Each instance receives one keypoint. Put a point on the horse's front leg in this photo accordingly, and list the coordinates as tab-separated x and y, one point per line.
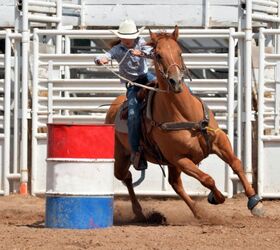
122	173
189	168
136	207
175	181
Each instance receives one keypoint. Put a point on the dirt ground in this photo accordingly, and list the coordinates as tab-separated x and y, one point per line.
227	226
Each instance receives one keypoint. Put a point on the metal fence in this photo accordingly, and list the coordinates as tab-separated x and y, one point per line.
9	126
268	118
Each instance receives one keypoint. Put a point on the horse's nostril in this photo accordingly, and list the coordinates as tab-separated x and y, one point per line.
172	81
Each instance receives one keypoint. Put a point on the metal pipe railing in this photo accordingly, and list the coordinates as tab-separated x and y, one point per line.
264	3
248	93
54	7
230	104
34	141
24	100
261	111
7	111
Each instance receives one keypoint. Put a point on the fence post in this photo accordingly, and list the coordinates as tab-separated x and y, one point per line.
248	94
24	99
230	119
261	110
7	112
34	108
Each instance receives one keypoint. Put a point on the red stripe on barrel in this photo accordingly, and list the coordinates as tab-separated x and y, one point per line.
81	141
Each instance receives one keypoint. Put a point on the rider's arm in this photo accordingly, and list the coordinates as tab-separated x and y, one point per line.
137	52
147	50
104	59
101	60
144	51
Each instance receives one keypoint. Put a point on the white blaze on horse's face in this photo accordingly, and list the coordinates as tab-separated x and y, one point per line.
169	60
173	65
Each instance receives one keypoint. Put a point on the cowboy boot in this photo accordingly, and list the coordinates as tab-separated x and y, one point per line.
138	161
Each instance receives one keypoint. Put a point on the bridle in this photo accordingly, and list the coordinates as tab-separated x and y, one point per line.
183	69
165	73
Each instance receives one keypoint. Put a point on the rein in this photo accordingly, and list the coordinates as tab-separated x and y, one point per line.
183	69
131	82
165	74
135	83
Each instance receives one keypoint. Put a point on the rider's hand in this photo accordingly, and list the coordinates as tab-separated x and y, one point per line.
136	52
101	61
97	62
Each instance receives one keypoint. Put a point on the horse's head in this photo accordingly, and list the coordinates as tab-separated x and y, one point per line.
168	58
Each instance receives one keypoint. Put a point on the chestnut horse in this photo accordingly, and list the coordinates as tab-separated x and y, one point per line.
189	146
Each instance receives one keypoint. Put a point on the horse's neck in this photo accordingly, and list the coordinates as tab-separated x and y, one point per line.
177	107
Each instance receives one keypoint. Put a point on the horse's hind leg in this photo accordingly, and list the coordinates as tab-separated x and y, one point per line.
223	149
121	171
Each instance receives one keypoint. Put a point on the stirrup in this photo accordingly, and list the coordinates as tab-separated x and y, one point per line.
138	161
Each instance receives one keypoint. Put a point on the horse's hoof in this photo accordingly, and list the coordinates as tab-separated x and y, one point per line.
211	199
253	201
258	210
140	218
198	216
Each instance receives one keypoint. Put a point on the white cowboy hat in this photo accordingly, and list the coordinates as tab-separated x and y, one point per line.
128	30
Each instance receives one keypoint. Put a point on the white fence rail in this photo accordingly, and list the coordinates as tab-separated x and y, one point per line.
53	11
265	11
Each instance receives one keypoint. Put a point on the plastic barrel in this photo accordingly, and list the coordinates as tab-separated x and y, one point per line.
80	172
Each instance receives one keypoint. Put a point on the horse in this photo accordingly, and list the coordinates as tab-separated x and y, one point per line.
177	108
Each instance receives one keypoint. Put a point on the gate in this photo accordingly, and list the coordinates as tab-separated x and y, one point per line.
9	112
268	117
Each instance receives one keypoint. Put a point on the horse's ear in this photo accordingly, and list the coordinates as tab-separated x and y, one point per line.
175	33
152	36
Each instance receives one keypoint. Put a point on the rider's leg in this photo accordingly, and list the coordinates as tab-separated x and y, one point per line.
150	77
133	121
134	126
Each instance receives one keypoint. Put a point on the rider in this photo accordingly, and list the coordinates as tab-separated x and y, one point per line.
131	52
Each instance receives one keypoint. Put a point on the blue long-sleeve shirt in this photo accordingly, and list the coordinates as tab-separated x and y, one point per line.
130	67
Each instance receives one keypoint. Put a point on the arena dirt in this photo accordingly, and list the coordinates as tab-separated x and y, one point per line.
227	226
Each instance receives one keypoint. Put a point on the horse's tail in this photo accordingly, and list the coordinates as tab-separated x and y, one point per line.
113	110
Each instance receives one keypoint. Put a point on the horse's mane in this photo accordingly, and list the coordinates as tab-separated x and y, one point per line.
163	34
160	35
